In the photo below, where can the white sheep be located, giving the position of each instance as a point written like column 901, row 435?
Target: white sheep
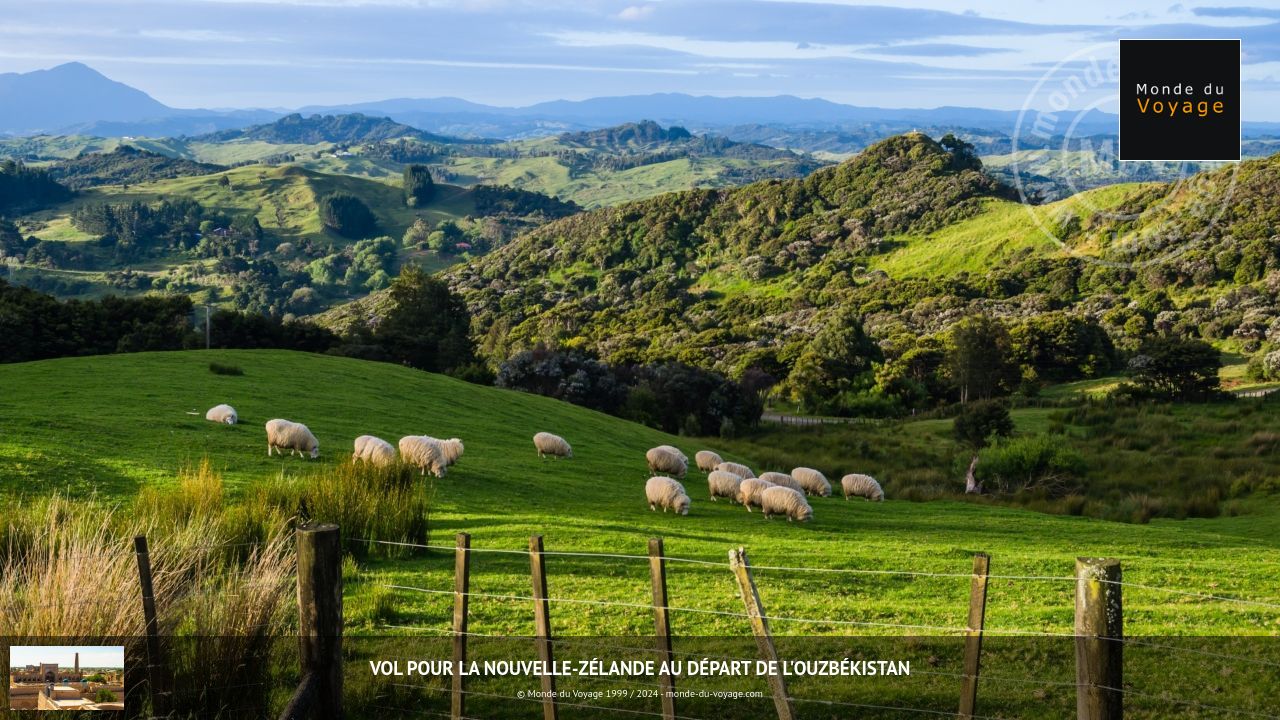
column 553, row 445
column 452, row 450
column 783, row 479
column 295, row 437
column 666, row 493
column 738, row 469
column 723, row 484
column 749, row 491
column 373, row 450
column 863, row 486
column 424, row 453
column 677, row 451
column 707, row 460
column 785, row 501
column 813, row 482
column 222, row 414
column 666, row 459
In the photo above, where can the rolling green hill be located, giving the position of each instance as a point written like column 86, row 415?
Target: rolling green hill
column 140, row 419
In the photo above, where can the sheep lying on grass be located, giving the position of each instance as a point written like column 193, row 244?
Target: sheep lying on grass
column 707, row 460
column 373, row 450
column 723, row 485
column 295, row 437
column 813, row 482
column 863, row 486
column 783, row 479
column 552, row 445
column 665, row 493
column 222, row 414
column 749, row 491
column 738, row 469
column 785, row 501
column 424, row 453
column 666, row 459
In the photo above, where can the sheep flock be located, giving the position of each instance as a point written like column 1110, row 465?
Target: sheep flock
column 773, row 492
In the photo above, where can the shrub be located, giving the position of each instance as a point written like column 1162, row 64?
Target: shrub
column 104, row 696
column 1034, row 463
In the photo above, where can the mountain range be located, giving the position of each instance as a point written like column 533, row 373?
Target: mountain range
column 73, row 98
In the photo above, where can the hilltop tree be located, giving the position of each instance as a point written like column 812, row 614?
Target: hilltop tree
column 347, row 215
column 974, row 427
column 418, row 186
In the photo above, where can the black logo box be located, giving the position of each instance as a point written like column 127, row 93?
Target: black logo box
column 1186, row 65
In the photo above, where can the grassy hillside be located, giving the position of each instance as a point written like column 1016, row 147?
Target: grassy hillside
column 105, row 426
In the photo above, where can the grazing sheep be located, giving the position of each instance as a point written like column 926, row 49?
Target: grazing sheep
column 666, row 459
column 424, row 453
column 373, row 450
column 785, row 501
column 677, row 451
column 452, row 450
column 783, row 479
column 723, row 484
column 222, row 414
column 813, row 482
column 738, row 469
column 863, row 486
column 668, row 494
column 707, row 460
column 552, row 445
column 295, row 437
column 749, row 492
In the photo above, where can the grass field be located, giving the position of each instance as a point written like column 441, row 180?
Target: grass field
column 103, row 431
column 104, row 427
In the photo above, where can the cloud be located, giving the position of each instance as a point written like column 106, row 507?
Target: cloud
column 635, row 12
column 1238, row 11
column 937, row 50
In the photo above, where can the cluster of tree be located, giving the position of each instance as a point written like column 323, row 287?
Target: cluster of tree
column 364, row 266
column 418, row 185
column 506, row 200
column 127, row 165
column 347, row 215
column 25, row 189
column 670, row 396
column 406, row 151
column 134, row 229
column 345, row 128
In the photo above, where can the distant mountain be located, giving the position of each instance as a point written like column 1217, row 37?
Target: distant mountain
column 188, row 122
column 67, row 95
column 348, row 128
column 628, row 135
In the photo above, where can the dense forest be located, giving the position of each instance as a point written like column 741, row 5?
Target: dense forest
column 127, row 165
column 772, row 278
column 25, row 189
column 346, row 128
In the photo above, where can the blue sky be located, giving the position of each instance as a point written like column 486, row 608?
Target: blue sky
column 909, row 53
column 65, row 655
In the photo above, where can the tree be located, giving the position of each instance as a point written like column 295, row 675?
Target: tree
column 104, row 696
column 427, row 326
column 839, row 353
column 347, row 215
column 980, row 358
column 974, row 427
column 418, row 186
column 1174, row 368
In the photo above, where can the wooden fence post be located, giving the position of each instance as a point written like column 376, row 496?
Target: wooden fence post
column 1099, row 640
column 662, row 626
column 320, row 617
column 760, row 627
column 155, row 661
column 973, row 635
column 461, row 586
column 542, row 627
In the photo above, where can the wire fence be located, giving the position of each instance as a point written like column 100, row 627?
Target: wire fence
column 781, row 619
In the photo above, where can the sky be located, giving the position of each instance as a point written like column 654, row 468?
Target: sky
column 900, row 53
column 91, row 656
